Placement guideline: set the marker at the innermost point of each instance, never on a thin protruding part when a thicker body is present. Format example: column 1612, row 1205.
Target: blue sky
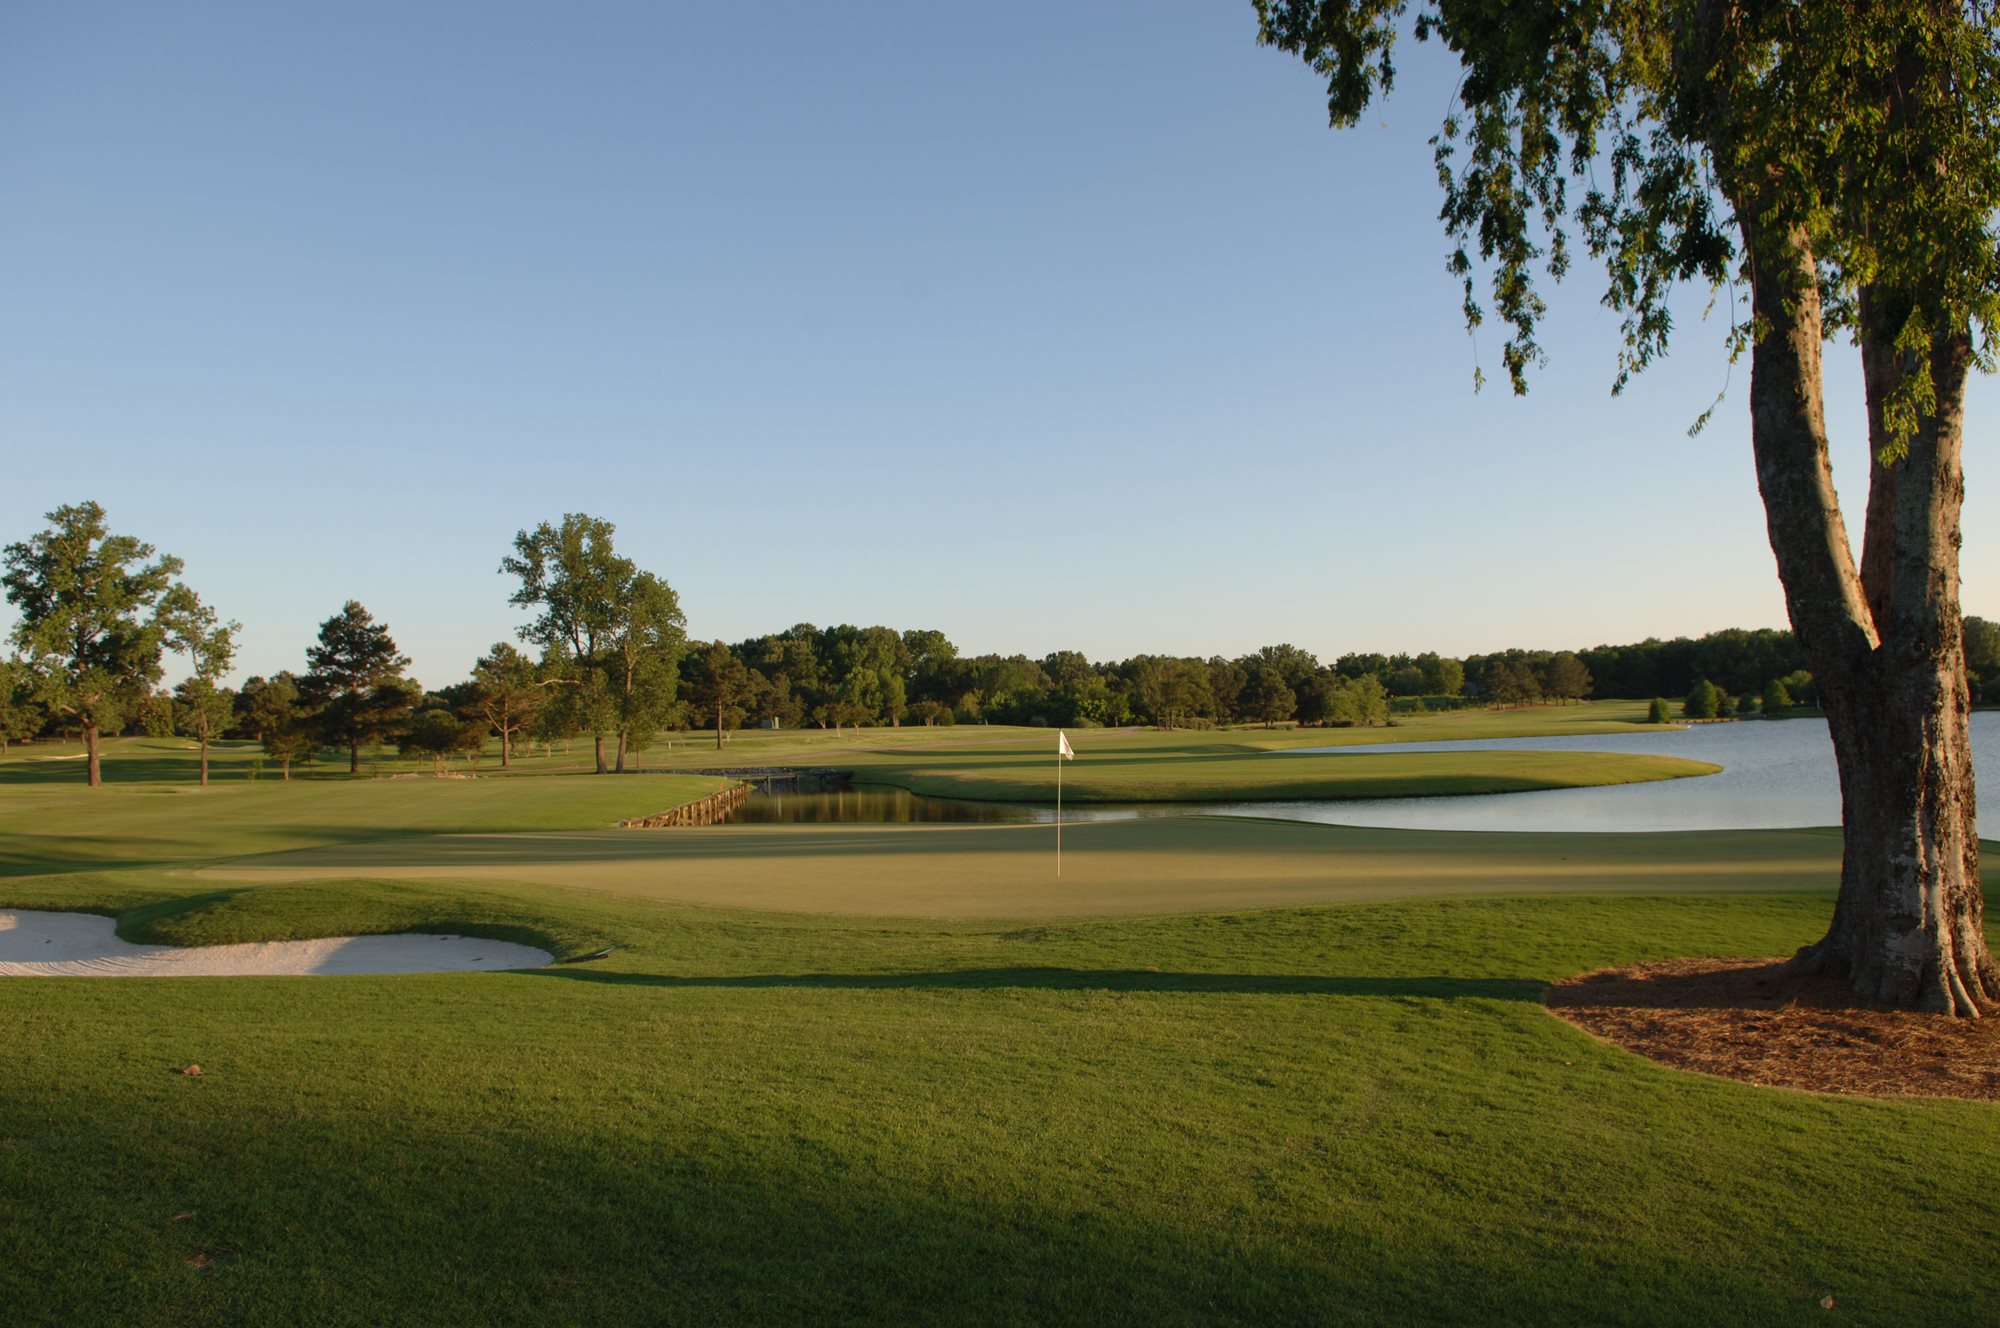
column 1053, row 326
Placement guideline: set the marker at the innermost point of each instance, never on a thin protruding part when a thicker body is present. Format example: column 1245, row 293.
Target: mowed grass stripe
column 1165, row 865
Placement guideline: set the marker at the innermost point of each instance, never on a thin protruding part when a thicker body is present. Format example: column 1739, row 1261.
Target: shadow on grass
column 1081, row 979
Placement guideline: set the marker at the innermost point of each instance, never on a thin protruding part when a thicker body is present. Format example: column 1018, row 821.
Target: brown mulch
column 1753, row 1019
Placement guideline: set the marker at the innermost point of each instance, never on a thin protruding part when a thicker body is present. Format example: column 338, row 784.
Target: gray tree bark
column 1885, row 646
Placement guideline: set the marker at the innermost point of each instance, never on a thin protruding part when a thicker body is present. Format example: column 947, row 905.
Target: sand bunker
column 35, row 944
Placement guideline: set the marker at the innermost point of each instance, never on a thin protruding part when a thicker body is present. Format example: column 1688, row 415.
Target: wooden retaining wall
column 703, row 811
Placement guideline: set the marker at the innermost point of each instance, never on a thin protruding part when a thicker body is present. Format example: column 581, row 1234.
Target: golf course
column 1221, row 1070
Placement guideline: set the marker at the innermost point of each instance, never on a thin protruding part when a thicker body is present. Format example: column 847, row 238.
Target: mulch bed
column 1752, row 1019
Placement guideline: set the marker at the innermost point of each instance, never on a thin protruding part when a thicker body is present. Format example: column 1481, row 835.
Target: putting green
column 1168, row 865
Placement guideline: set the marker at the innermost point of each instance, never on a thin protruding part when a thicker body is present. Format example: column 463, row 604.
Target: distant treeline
column 613, row 662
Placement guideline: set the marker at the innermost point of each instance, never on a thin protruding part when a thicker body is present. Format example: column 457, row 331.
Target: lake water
column 1775, row 774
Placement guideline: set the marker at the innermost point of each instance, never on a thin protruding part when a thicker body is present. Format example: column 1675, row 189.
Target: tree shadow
column 1077, row 979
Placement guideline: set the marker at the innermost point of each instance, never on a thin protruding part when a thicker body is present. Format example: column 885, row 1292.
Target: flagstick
column 1059, row 765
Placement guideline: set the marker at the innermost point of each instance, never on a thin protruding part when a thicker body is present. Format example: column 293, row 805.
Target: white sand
column 36, row 944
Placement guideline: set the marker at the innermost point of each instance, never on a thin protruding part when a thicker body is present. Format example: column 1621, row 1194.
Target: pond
column 1776, row 774
column 878, row 803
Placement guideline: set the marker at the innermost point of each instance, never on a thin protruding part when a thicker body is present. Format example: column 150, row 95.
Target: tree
column 1843, row 162
column 203, row 707
column 1982, row 654
column 1266, row 697
column 1505, row 684
column 1443, row 676
column 434, row 732
column 1703, row 702
column 609, row 632
column 276, row 716
column 1658, row 711
column 20, row 715
column 506, row 694
column 93, row 620
column 1566, row 678
column 868, row 666
column 719, row 685
column 354, row 681
column 1777, row 697
column 643, row 662
column 930, row 654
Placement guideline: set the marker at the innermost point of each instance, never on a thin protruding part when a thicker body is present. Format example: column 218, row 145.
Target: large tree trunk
column 1886, row 651
column 598, row 738
column 621, row 751
column 204, row 760
column 93, row 771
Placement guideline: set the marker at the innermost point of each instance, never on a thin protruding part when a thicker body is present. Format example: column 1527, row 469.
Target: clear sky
column 1050, row 325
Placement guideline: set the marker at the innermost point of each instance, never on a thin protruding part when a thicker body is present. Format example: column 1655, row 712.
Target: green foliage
column 643, row 664
column 506, row 693
column 718, row 688
column 95, row 612
column 437, row 733
column 1266, row 697
column 21, row 716
column 612, row 636
column 1777, row 697
column 1704, row 701
column 1658, row 711
column 1982, row 654
column 1567, row 679
column 271, row 711
column 1865, row 137
column 203, row 707
column 354, row 681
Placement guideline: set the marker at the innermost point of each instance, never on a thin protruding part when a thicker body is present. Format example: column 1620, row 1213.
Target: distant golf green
column 1222, row 1070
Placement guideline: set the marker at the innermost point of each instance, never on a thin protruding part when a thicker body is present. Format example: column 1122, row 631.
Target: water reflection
column 786, row 806
column 879, row 804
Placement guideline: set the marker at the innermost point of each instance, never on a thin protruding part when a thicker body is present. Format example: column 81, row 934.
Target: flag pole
column 1059, row 765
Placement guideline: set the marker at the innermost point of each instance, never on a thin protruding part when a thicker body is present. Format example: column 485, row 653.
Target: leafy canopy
column 1676, row 139
column 95, row 613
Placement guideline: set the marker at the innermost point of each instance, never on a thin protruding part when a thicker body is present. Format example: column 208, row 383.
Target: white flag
column 1063, row 747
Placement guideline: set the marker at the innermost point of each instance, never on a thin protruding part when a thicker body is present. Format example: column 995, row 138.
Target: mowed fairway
column 1223, row 1071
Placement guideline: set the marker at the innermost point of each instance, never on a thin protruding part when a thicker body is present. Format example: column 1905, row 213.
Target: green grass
column 1355, row 1114
column 1318, row 1089
column 151, row 813
column 1165, row 865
